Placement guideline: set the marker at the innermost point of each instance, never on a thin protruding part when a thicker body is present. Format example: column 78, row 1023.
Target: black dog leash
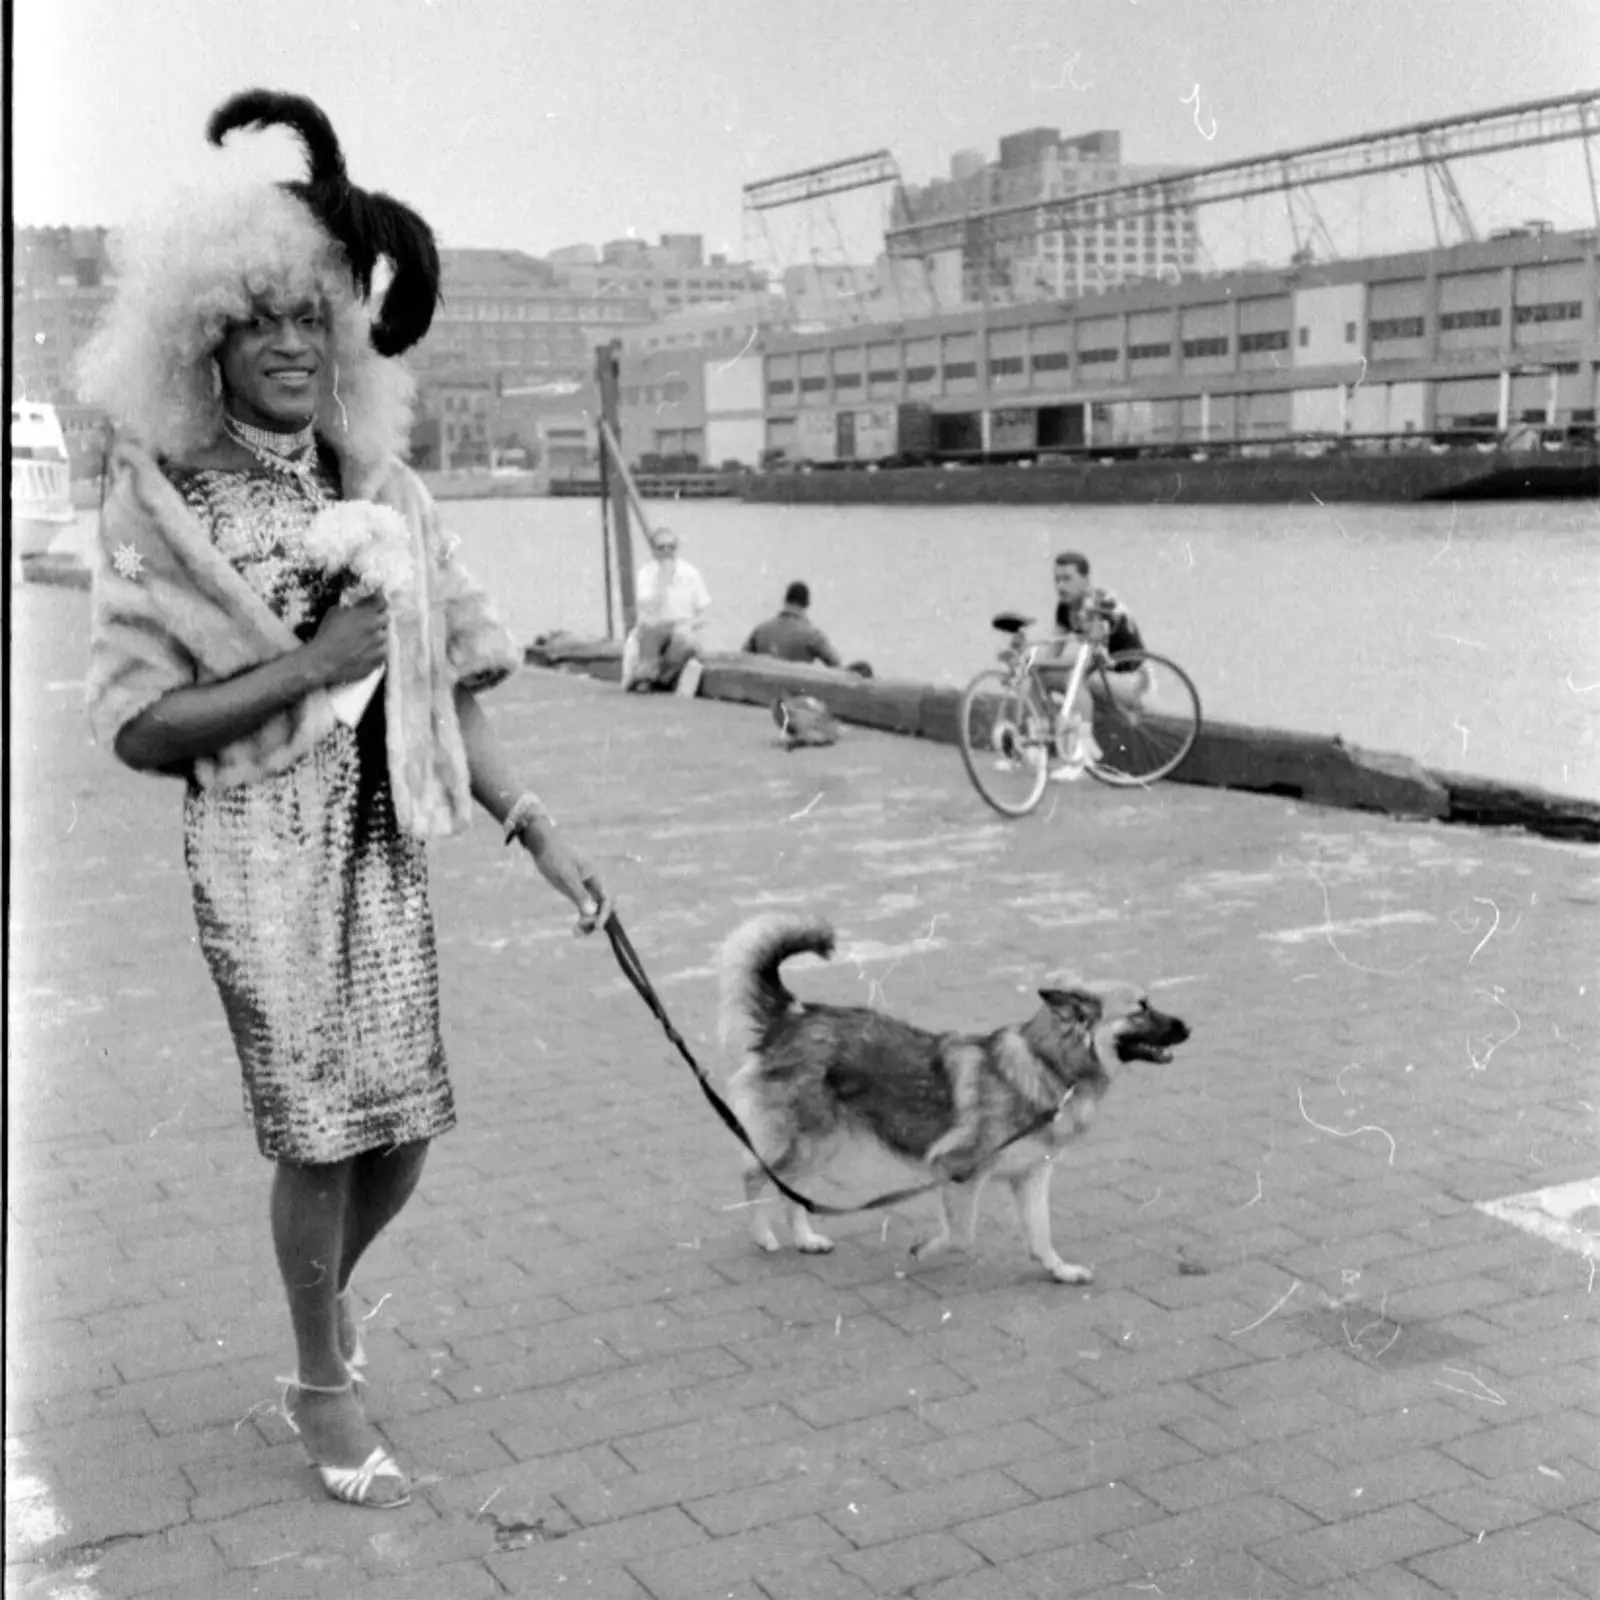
column 633, row 970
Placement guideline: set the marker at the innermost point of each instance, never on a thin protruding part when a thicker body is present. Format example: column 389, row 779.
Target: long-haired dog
column 962, row 1107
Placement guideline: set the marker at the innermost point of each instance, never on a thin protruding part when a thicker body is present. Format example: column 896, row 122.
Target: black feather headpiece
column 369, row 226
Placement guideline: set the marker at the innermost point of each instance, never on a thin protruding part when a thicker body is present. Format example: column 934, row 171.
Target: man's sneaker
column 1068, row 772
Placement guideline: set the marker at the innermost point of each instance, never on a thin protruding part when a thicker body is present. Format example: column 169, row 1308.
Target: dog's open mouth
column 1142, row 1050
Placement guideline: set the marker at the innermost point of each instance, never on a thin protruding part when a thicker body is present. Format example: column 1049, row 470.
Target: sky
column 530, row 124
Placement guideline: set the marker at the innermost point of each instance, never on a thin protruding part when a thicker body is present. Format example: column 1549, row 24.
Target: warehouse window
column 1486, row 318
column 1396, row 328
column 1551, row 311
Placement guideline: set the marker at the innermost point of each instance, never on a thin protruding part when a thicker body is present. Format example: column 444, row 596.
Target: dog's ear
column 1083, row 1007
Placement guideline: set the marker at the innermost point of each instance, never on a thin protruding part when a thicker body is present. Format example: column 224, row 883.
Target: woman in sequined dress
column 322, row 708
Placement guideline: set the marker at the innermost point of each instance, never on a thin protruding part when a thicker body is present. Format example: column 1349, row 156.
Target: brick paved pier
column 1311, row 1363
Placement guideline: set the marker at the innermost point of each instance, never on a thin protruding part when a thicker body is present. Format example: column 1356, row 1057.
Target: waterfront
column 1463, row 636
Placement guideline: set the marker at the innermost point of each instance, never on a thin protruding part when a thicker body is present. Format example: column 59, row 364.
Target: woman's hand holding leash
column 561, row 867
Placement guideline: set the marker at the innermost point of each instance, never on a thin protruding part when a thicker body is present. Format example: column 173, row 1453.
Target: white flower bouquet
column 373, row 545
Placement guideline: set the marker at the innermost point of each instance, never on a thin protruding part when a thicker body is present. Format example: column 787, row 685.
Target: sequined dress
column 312, row 904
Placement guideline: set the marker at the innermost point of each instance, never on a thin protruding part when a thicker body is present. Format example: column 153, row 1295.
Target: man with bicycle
column 1084, row 613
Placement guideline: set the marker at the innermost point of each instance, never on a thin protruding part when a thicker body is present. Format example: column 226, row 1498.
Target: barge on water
column 1233, row 474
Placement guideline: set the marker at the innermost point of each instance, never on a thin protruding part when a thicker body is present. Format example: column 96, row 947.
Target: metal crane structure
column 811, row 184
column 1430, row 146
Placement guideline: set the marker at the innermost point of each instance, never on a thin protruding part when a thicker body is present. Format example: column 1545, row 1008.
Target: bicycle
column 1146, row 718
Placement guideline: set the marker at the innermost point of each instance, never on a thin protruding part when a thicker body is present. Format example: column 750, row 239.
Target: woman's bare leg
column 310, row 1209
column 380, row 1184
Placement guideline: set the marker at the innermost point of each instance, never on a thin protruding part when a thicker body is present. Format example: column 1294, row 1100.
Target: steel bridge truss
column 1423, row 144
column 813, row 183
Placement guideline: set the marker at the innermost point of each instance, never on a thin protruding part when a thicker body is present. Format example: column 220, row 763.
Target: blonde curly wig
column 185, row 275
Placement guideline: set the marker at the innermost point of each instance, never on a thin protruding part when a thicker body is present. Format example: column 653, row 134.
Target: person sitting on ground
column 1083, row 613
column 663, row 650
column 793, row 636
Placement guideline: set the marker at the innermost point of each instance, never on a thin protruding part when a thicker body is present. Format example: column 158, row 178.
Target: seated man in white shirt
column 663, row 649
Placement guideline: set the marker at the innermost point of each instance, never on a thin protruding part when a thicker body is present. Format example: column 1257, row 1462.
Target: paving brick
column 1366, row 1486
column 1117, row 1458
column 689, row 1370
column 1480, row 1508
column 806, row 1579
column 1494, row 1452
column 1069, row 1519
column 1245, row 1521
column 864, row 1342
column 1006, row 1400
column 1435, row 1300
column 914, row 1388
column 1007, row 1444
column 1321, row 1555
column 1050, row 1575
column 910, row 1512
column 1554, row 1485
column 595, row 1556
column 666, row 1448
column 552, row 1570
column 902, row 1565
column 1208, row 1575
column 698, row 1572
column 1431, row 1422
column 1526, row 1560
column 798, row 1486
column 1552, row 1309
column 1259, row 1382
column 1387, row 1582
column 1141, row 1408
column 531, row 1369
column 1266, row 1467
column 459, row 1580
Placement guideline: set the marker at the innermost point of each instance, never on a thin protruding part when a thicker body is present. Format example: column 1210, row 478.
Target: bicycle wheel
column 1005, row 741
column 1146, row 717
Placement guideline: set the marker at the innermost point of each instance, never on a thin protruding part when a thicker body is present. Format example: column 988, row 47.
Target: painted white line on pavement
column 1567, row 1214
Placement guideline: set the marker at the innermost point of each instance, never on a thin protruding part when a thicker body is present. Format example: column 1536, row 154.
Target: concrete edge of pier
column 1319, row 768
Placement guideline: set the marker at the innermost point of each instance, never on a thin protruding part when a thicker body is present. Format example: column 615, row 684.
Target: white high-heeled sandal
column 352, row 1485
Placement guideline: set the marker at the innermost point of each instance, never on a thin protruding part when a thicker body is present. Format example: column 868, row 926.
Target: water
column 1465, row 637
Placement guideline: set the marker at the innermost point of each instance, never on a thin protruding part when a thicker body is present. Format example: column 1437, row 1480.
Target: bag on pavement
column 804, row 720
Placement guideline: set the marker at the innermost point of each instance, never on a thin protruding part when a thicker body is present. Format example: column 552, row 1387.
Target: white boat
column 41, row 477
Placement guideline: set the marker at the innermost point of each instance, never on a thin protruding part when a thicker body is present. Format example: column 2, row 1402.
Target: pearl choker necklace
column 283, row 452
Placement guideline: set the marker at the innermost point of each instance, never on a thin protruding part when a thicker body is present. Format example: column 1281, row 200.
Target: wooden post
column 629, row 487
column 605, row 537
column 614, row 476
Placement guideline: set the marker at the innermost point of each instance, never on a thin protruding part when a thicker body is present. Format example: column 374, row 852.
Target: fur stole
column 170, row 611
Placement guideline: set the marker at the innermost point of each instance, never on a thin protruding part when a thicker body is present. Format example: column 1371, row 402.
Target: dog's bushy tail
column 753, row 995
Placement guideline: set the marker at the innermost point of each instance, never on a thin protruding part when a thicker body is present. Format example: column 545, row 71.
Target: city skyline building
column 1019, row 265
